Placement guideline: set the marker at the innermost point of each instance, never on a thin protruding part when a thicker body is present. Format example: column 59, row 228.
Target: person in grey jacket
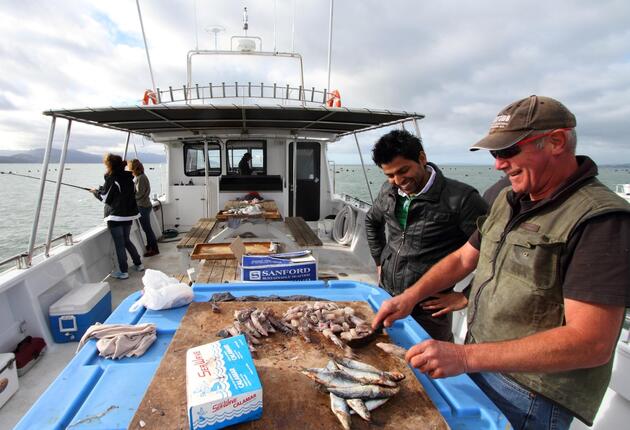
column 426, row 217
column 143, row 189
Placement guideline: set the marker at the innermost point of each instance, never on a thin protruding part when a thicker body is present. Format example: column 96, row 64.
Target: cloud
column 456, row 62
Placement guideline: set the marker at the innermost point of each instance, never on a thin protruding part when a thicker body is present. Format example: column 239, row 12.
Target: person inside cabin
column 426, row 216
column 244, row 166
column 118, row 194
column 143, row 190
column 552, row 277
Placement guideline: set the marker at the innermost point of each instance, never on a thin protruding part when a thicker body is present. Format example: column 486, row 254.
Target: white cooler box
column 81, row 307
column 8, row 377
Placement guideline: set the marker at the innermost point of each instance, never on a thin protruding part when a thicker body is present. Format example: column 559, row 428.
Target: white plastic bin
column 8, row 377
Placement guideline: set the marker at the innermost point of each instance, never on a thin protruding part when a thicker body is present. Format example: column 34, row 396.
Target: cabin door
column 304, row 180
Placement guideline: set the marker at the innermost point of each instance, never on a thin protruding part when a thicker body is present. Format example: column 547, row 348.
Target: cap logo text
column 501, row 121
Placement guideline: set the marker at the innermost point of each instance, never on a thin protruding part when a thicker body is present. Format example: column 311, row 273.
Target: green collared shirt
column 403, row 201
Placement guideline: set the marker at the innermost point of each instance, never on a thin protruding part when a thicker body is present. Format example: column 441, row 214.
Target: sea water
column 79, row 211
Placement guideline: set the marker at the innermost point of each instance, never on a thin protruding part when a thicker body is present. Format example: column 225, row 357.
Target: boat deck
column 334, row 262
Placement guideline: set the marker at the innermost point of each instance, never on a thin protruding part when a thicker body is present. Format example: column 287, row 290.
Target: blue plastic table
column 97, row 393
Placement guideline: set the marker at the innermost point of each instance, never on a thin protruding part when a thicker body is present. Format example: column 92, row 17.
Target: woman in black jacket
column 118, row 194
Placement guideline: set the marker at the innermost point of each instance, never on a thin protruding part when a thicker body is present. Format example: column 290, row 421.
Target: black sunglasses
column 515, row 149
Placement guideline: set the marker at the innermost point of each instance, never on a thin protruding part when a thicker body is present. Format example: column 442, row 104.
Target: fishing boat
column 205, row 130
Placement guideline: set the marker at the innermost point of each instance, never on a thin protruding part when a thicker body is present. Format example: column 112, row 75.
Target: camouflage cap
column 521, row 118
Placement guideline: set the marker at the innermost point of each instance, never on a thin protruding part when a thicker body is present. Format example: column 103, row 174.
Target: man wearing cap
column 552, row 278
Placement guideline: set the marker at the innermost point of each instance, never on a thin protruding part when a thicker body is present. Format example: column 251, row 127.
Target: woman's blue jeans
column 145, row 222
column 524, row 409
column 122, row 243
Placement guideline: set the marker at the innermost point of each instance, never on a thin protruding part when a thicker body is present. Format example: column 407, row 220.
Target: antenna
column 245, row 25
column 216, row 29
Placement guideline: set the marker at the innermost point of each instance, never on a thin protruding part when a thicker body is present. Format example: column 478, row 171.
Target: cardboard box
column 222, row 385
column 296, row 266
column 81, row 307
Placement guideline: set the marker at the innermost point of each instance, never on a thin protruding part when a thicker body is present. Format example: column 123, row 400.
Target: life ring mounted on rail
column 334, row 100
column 149, row 95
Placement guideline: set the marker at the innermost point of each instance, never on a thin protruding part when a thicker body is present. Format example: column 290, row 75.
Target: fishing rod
column 47, row 180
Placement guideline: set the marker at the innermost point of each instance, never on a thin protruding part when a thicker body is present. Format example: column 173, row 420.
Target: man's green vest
column 517, row 290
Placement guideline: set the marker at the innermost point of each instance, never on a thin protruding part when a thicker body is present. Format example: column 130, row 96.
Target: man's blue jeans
column 122, row 243
column 524, row 409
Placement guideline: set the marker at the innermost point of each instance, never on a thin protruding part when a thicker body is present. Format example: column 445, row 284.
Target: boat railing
column 249, row 90
column 353, row 201
column 21, row 261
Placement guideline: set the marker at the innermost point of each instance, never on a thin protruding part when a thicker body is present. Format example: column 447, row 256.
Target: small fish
column 367, row 378
column 281, row 326
column 373, row 404
column 330, row 335
column 341, row 410
column 359, row 365
column 242, row 315
column 358, row 406
column 254, row 318
column 363, row 391
column 392, row 349
column 329, row 378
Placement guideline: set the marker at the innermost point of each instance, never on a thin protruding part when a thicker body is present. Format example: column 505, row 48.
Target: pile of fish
column 355, row 387
column 254, row 323
column 338, row 324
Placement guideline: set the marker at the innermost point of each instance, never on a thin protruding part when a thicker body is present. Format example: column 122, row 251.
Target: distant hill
column 73, row 156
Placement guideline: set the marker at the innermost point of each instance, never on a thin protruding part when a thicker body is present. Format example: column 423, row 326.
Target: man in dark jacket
column 426, row 215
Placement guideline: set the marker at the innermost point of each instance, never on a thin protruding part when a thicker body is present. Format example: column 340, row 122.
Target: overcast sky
column 457, row 62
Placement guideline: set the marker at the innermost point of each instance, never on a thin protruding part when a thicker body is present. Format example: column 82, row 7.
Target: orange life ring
column 149, row 95
column 334, row 100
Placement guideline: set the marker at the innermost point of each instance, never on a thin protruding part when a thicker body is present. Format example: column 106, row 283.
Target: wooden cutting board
column 290, row 399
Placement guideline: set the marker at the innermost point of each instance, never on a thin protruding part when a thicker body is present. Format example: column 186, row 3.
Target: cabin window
column 193, row 159
column 235, row 149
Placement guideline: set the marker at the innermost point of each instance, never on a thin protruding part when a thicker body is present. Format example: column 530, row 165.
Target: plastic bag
column 162, row 292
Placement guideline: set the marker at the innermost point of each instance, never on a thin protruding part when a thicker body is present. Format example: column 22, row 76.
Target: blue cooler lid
column 79, row 300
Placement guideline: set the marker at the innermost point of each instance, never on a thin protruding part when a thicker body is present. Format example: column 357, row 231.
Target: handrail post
column 42, row 184
column 62, row 163
column 206, row 161
column 415, row 124
column 356, row 139
column 126, row 146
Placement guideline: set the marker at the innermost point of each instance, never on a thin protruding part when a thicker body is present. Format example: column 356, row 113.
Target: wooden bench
column 301, row 232
column 198, row 234
column 217, row 271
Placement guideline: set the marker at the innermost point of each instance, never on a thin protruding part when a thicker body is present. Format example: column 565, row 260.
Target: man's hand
column 448, row 302
column 394, row 309
column 438, row 359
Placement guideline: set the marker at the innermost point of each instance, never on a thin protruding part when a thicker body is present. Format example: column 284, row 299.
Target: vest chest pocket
column 533, row 257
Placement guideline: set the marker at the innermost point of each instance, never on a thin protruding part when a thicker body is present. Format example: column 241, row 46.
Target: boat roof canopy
column 148, row 120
